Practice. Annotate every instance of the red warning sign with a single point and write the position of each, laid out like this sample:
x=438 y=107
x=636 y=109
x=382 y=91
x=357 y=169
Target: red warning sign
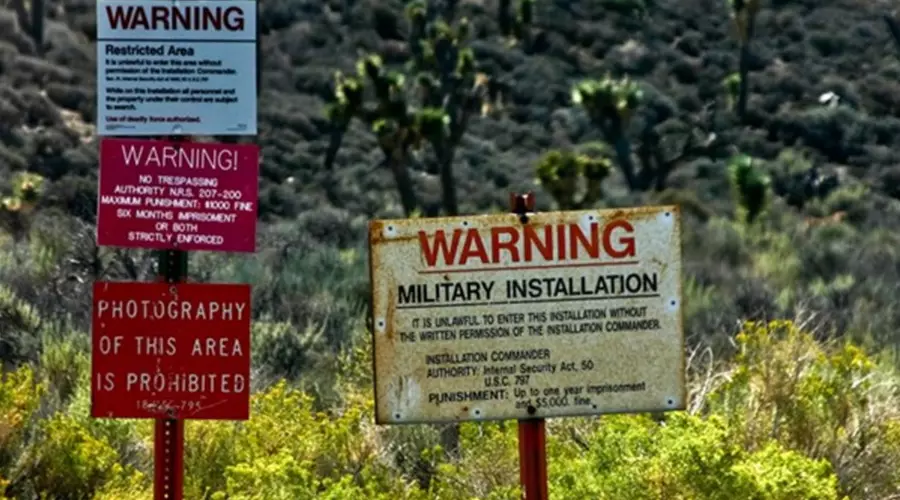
x=186 y=196
x=170 y=351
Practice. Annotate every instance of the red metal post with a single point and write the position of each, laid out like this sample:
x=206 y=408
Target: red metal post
x=532 y=433
x=533 y=459
x=168 y=442
x=168 y=460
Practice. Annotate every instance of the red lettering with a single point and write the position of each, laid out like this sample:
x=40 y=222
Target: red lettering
x=171 y=18
x=473 y=248
x=591 y=244
x=440 y=245
x=528 y=243
x=508 y=245
x=627 y=241
x=532 y=241
x=561 y=238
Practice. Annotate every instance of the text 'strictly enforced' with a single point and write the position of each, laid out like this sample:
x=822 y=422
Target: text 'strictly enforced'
x=178 y=195
x=170 y=351
x=490 y=317
x=178 y=68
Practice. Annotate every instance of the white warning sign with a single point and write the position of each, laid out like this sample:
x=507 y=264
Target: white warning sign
x=176 y=68
x=564 y=314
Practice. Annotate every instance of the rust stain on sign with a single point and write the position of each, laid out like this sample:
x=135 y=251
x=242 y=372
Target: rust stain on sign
x=489 y=317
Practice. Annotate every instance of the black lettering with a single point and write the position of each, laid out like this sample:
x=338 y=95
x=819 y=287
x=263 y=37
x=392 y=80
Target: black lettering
x=467 y=396
x=446 y=358
x=452 y=372
x=604 y=388
x=454 y=293
x=633 y=284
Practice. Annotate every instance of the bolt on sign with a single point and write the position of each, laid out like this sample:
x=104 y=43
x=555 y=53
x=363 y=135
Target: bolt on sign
x=176 y=68
x=170 y=351
x=178 y=195
x=562 y=314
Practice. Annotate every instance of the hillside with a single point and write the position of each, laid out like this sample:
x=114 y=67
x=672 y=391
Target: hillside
x=680 y=51
x=822 y=252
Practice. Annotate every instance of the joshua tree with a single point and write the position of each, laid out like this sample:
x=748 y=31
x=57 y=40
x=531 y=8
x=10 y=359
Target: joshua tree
x=573 y=179
x=16 y=210
x=750 y=186
x=894 y=29
x=743 y=19
x=517 y=28
x=34 y=25
x=611 y=104
x=432 y=102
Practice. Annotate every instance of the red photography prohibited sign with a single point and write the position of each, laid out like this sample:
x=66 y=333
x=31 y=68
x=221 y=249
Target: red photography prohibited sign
x=163 y=195
x=164 y=350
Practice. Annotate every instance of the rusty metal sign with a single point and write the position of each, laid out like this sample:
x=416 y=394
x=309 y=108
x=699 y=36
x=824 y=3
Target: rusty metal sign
x=510 y=317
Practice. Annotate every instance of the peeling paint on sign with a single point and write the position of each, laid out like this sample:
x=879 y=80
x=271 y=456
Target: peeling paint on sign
x=489 y=317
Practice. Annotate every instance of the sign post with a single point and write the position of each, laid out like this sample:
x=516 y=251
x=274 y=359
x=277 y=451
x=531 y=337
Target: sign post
x=526 y=316
x=168 y=433
x=172 y=350
x=532 y=432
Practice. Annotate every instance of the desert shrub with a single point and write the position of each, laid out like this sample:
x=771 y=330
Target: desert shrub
x=20 y=395
x=826 y=401
x=63 y=363
x=67 y=461
x=20 y=325
x=330 y=455
x=488 y=467
x=67 y=96
x=131 y=439
x=281 y=351
x=299 y=281
x=636 y=458
x=790 y=418
x=10 y=158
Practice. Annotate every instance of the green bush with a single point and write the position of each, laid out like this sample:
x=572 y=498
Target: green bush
x=20 y=396
x=67 y=461
x=789 y=418
x=689 y=457
x=826 y=401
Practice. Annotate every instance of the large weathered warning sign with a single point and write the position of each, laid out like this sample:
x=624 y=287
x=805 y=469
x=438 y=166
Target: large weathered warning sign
x=170 y=351
x=564 y=314
x=176 y=68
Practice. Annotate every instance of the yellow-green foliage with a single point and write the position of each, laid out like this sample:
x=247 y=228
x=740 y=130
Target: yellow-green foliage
x=26 y=188
x=69 y=461
x=635 y=458
x=19 y=398
x=790 y=419
x=16 y=209
x=574 y=180
x=750 y=186
x=831 y=402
